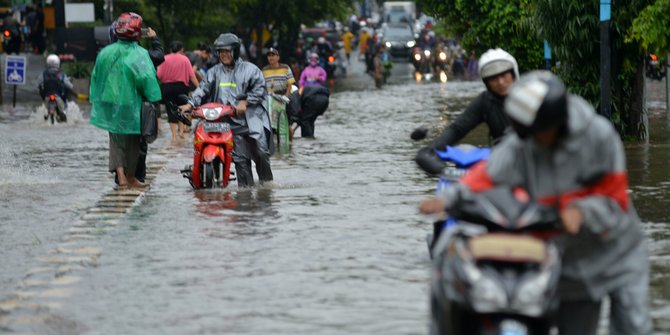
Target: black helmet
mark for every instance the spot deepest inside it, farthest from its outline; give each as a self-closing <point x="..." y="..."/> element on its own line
<point x="228" y="41"/>
<point x="537" y="102"/>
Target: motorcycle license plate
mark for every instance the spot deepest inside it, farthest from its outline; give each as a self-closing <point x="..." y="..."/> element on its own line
<point x="216" y="127"/>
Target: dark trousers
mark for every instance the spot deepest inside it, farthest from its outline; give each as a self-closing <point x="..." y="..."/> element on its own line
<point x="247" y="149"/>
<point x="141" y="169"/>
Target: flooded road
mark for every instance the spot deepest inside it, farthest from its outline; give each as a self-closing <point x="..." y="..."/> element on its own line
<point x="333" y="246"/>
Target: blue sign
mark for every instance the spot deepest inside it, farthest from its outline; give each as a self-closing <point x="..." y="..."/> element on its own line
<point x="605" y="10"/>
<point x="15" y="70"/>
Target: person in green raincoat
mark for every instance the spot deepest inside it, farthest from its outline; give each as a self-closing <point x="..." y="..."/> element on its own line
<point x="123" y="77"/>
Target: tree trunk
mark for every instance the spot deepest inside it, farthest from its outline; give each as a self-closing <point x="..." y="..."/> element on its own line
<point x="667" y="85"/>
<point x="637" y="112"/>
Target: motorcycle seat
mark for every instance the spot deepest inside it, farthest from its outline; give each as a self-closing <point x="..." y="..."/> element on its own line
<point x="508" y="248"/>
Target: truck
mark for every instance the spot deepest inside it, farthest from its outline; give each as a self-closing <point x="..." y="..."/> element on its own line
<point x="399" y="12"/>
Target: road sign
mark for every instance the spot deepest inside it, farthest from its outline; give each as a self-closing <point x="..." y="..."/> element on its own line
<point x="15" y="70"/>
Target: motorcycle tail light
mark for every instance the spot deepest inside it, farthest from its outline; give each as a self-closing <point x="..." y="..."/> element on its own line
<point x="331" y="59"/>
<point x="6" y="33"/>
<point x="52" y="97"/>
<point x="654" y="57"/>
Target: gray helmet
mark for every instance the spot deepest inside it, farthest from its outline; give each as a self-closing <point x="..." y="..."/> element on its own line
<point x="537" y="101"/>
<point x="228" y="41"/>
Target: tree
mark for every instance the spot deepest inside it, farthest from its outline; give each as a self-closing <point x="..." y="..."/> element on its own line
<point x="571" y="27"/>
<point x="652" y="28"/>
<point x="485" y="24"/>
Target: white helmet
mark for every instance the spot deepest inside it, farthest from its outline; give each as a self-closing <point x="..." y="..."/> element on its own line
<point x="53" y="61"/>
<point x="496" y="61"/>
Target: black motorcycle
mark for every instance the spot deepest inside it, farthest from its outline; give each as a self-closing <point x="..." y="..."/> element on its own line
<point x="496" y="268"/>
<point x="655" y="70"/>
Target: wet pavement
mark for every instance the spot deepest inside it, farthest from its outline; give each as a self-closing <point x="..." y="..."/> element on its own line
<point x="333" y="246"/>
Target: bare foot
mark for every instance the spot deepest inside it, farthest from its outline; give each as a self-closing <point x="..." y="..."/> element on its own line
<point x="134" y="183"/>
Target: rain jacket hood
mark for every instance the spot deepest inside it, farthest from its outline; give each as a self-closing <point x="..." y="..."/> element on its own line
<point x="122" y="78"/>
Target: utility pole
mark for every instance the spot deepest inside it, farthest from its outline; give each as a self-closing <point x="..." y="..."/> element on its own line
<point x="605" y="59"/>
<point x="108" y="10"/>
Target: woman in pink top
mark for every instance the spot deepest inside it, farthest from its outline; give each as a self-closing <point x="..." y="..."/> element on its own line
<point x="175" y="73"/>
<point x="313" y="75"/>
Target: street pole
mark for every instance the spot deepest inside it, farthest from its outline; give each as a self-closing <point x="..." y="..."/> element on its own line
<point x="667" y="84"/>
<point x="605" y="58"/>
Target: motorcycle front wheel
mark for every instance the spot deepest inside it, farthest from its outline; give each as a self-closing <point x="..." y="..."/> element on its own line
<point x="207" y="175"/>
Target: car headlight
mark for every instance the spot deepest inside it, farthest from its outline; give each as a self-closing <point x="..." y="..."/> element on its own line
<point x="410" y="44"/>
<point x="212" y="114"/>
<point x="443" y="56"/>
<point x="427" y="53"/>
<point x="388" y="44"/>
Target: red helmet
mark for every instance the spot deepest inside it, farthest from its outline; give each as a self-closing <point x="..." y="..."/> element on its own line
<point x="128" y="26"/>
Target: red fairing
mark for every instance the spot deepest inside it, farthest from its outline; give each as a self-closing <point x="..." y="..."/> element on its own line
<point x="225" y="110"/>
<point x="477" y="179"/>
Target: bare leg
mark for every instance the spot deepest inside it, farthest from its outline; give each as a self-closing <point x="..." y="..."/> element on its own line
<point x="121" y="174"/>
<point x="173" y="129"/>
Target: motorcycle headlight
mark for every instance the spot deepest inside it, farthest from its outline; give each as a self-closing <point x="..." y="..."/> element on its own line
<point x="388" y="44"/>
<point x="443" y="56"/>
<point x="212" y="114"/>
<point x="417" y="57"/>
<point x="488" y="295"/>
<point x="427" y="53"/>
<point x="530" y="296"/>
<point x="410" y="44"/>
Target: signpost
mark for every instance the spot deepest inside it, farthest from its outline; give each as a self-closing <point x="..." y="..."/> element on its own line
<point x="605" y="58"/>
<point x="15" y="73"/>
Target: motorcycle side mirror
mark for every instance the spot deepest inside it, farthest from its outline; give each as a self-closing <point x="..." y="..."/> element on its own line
<point x="419" y="133"/>
<point x="182" y="99"/>
<point x="428" y="161"/>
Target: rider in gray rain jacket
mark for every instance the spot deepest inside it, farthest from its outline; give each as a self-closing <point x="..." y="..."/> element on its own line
<point x="241" y="84"/>
<point x="567" y="156"/>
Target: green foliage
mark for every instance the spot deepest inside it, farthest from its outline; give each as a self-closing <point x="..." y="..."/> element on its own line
<point x="652" y="28"/>
<point x="572" y="29"/>
<point x="78" y="69"/>
<point x="485" y="24"/>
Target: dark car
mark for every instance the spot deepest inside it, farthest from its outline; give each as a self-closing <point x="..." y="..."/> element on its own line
<point x="399" y="39"/>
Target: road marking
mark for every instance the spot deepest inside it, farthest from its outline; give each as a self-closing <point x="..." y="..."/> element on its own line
<point x="79" y="250"/>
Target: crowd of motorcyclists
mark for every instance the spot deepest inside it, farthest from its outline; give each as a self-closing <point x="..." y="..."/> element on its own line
<point x="536" y="126"/>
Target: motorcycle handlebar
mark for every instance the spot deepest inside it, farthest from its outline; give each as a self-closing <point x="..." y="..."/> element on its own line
<point x="428" y="161"/>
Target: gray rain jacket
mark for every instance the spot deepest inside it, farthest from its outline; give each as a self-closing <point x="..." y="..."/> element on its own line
<point x="587" y="170"/>
<point x="221" y="85"/>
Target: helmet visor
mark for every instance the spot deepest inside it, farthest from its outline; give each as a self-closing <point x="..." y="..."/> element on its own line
<point x="495" y="68"/>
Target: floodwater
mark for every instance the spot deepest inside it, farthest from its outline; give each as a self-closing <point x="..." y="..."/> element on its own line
<point x="333" y="246"/>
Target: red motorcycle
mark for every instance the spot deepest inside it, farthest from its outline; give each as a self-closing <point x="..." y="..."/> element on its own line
<point x="213" y="146"/>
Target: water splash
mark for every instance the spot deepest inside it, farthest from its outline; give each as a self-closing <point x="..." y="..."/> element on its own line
<point x="74" y="116"/>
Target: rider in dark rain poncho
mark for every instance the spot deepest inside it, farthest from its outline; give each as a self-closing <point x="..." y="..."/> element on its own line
<point x="307" y="103"/>
<point x="239" y="83"/>
<point x="498" y="70"/>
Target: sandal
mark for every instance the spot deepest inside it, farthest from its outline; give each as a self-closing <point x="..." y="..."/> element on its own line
<point x="122" y="187"/>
